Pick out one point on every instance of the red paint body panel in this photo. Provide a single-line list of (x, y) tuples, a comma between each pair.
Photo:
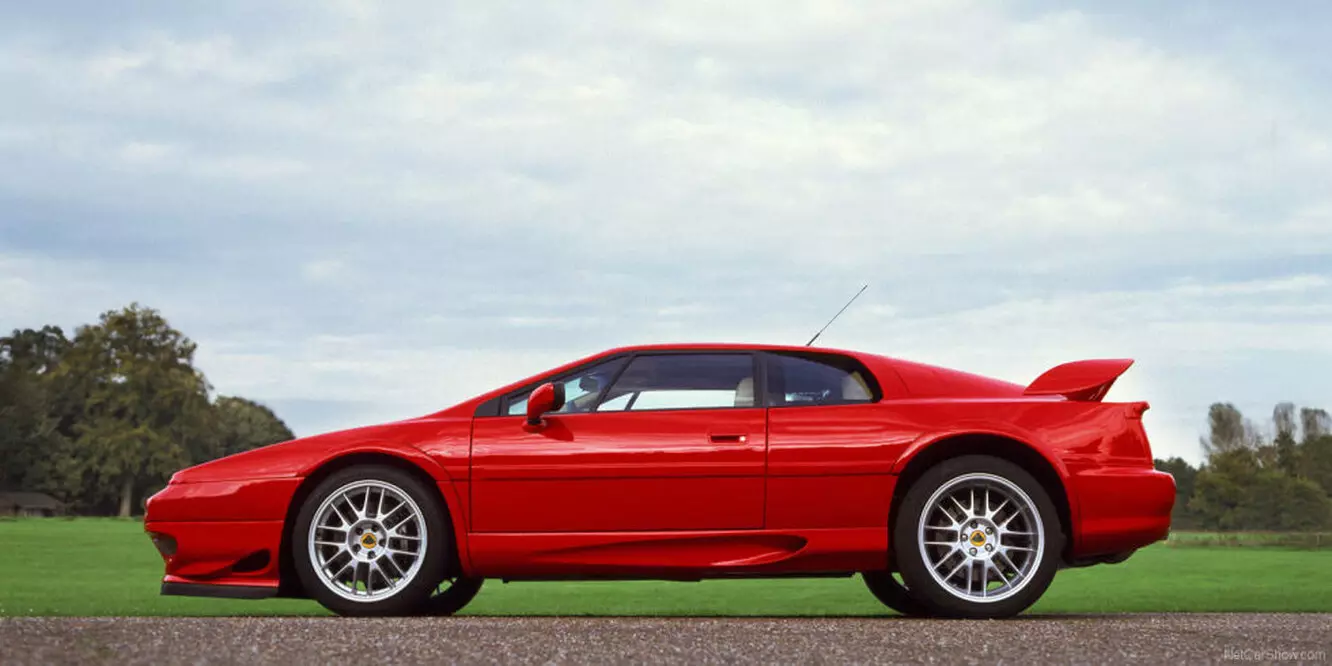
[(207, 550), (255, 499), (687, 494), (621, 471)]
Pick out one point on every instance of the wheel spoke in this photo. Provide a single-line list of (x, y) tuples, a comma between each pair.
[(395, 526), (351, 506), (985, 578), (387, 581), (350, 563), (956, 569), (392, 512), (344, 520), (397, 569)]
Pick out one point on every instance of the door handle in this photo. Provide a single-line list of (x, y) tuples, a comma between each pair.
[(727, 439)]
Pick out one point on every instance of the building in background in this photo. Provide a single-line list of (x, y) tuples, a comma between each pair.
[(29, 505)]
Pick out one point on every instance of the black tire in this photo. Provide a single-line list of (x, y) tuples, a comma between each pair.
[(891, 593), (416, 593), (452, 596), (933, 596)]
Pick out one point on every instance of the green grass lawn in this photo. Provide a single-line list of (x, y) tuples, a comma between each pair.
[(108, 567)]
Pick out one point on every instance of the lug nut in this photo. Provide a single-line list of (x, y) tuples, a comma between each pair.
[(989, 530), (989, 548), (973, 551)]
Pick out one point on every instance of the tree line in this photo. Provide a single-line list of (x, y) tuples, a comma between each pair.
[(1257, 478), (102, 419)]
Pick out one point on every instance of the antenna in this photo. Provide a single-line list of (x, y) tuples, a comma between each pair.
[(839, 313)]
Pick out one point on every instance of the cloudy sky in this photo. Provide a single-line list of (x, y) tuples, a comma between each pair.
[(364, 211)]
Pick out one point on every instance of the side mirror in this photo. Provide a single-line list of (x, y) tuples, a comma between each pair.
[(546, 398)]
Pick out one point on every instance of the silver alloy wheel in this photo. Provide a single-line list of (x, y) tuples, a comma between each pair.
[(981, 537), (367, 540)]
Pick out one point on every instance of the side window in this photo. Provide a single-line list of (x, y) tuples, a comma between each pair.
[(683, 381), (817, 379), (580, 389)]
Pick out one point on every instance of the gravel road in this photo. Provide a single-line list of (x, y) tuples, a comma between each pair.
[(323, 641)]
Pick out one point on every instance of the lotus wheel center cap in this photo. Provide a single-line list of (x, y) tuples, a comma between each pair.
[(978, 538), (368, 540)]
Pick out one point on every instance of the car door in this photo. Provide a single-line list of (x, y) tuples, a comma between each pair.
[(831, 443), (644, 442)]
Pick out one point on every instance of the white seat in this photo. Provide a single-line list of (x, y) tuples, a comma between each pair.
[(855, 389), (744, 393)]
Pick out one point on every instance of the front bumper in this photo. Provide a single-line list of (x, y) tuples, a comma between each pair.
[(220, 538)]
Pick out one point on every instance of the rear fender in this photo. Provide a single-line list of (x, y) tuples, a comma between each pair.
[(1024, 439)]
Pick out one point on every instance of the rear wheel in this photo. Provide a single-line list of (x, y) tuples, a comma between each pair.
[(452, 595), (371, 540), (977, 537)]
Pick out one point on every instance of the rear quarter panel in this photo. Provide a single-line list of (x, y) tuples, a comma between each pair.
[(1101, 455)]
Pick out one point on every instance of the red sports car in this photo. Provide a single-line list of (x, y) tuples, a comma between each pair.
[(685, 462)]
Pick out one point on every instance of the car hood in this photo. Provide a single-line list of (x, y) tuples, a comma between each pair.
[(298, 457)]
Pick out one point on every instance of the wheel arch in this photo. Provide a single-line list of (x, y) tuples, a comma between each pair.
[(289, 583), (1046, 471)]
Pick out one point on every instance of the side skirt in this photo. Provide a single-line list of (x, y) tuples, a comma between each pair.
[(218, 591), (683, 579)]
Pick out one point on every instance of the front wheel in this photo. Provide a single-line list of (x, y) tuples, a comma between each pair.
[(891, 593), (977, 537), (371, 540)]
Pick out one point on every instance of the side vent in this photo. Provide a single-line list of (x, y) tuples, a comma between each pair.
[(256, 561)]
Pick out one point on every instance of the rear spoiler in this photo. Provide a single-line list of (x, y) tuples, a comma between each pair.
[(1084, 381)]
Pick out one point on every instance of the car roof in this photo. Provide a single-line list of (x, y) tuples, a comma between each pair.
[(725, 346), (465, 406)]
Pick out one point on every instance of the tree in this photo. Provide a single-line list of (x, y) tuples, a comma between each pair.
[(145, 407), (34, 352), (244, 424), (1288, 458), (1222, 487), (1314, 423), (1227, 429), (1283, 417), (34, 452), (1316, 461), (1185, 479)]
